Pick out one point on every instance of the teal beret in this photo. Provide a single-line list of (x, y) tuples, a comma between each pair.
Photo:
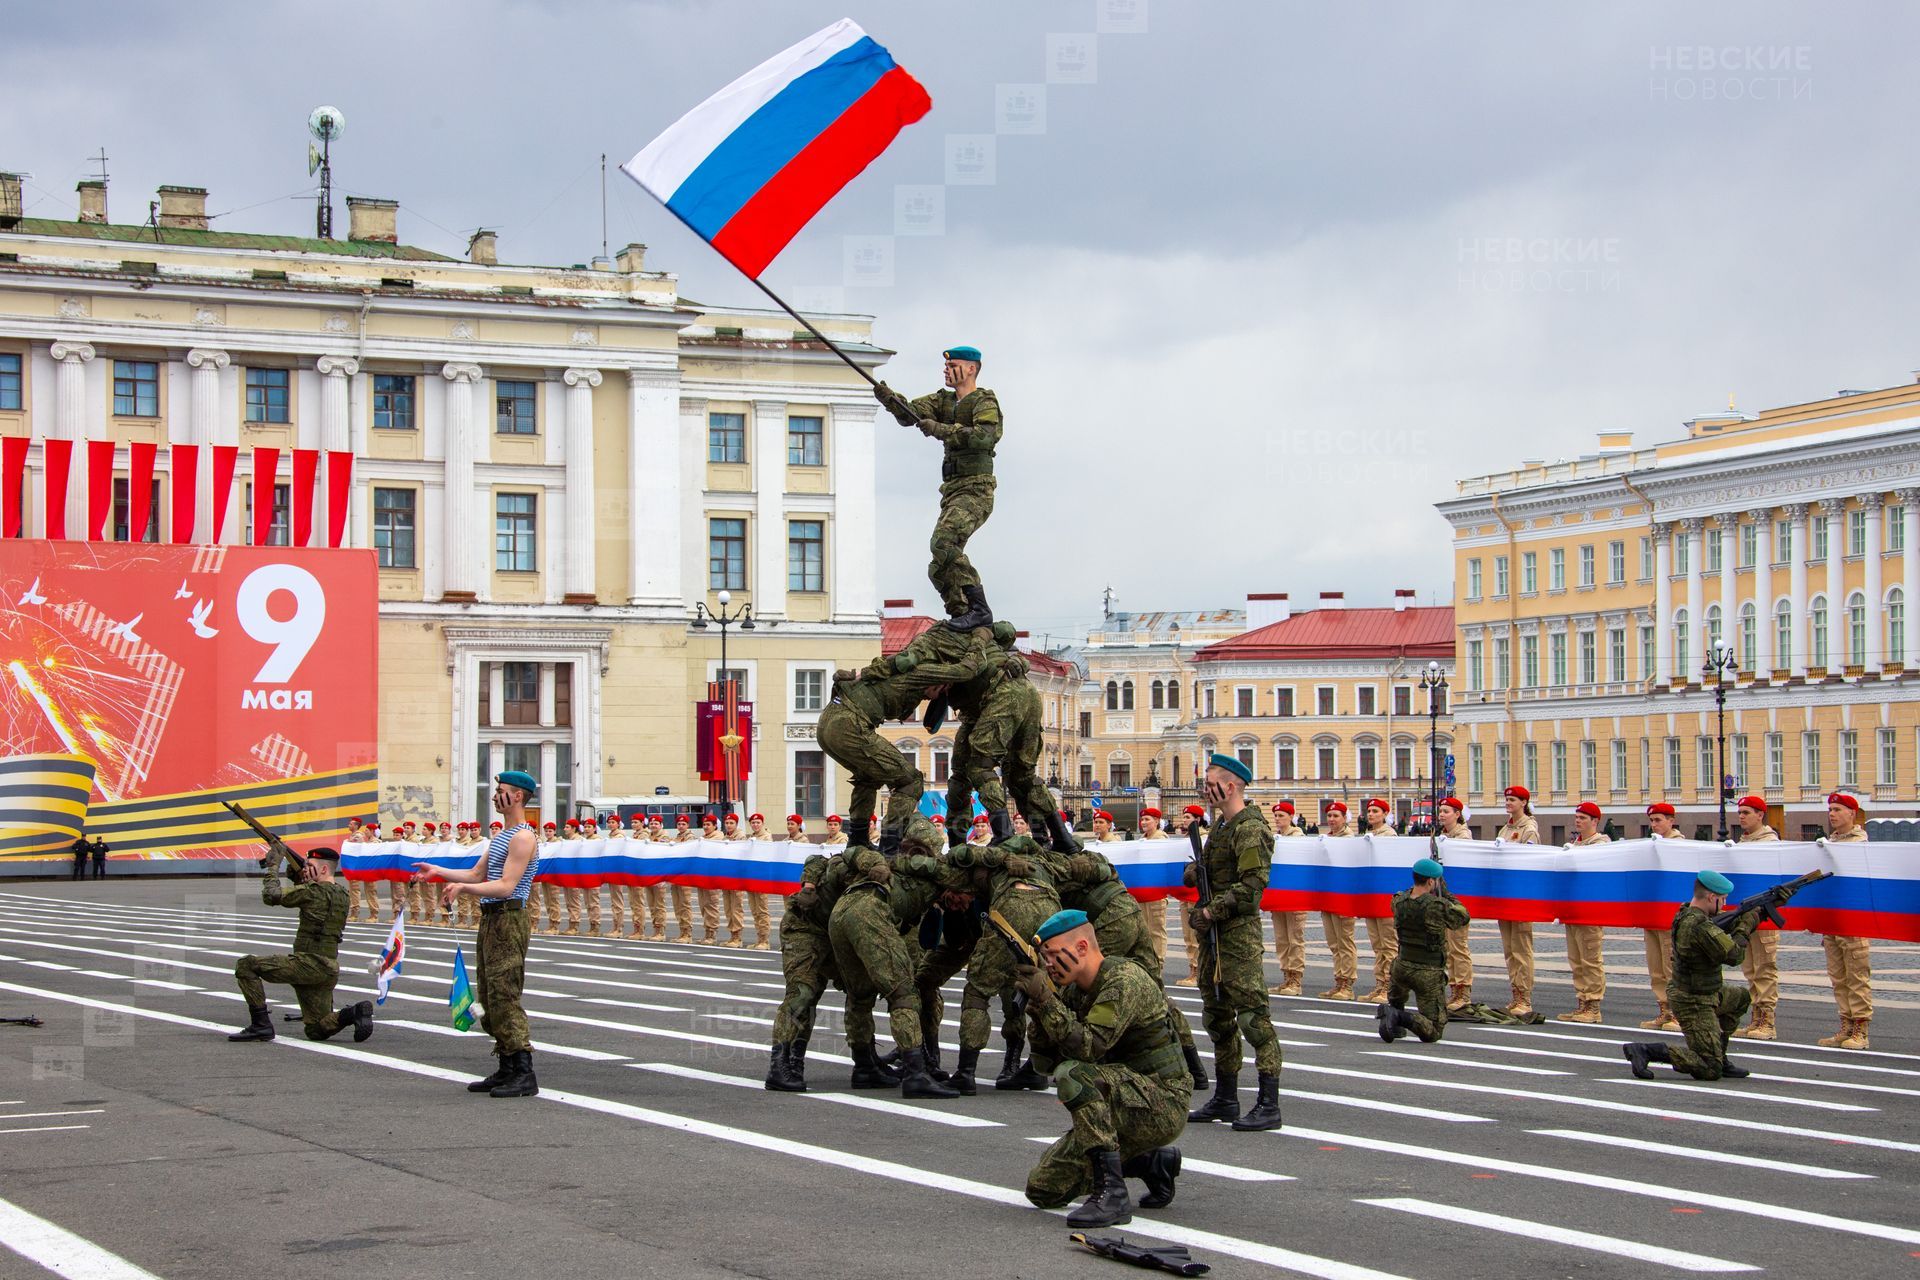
[(1232, 765), (962, 353), (1061, 922), (1428, 869), (1714, 882), (520, 778)]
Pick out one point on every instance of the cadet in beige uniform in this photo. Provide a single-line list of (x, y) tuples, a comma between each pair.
[(712, 901), (406, 894), (1762, 962), (576, 899), (683, 895), (1452, 826), (647, 903), (735, 899), (1584, 941), (981, 833), (552, 896), (1383, 939), (1849, 960), (835, 837), (757, 902), (1153, 915), (1516, 936), (616, 894), (355, 832), (1289, 927), (1337, 928), (1659, 942)]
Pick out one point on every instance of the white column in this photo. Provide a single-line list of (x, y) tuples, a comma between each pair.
[(1876, 615), (1728, 533), (462, 529), (496, 693), (70, 423), (768, 586), (1834, 509), (1909, 499), (334, 435), (1686, 664), (577, 573), (1797, 583), (690, 508), (850, 444), (549, 770), (548, 689), (1763, 636), (1662, 604), (653, 488), (203, 426)]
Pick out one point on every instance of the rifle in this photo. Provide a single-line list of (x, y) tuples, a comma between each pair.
[(1019, 949), (28, 1021), (1205, 888), (1769, 901), (276, 847), (1171, 1257)]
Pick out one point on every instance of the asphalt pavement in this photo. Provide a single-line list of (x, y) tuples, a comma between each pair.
[(135, 1140)]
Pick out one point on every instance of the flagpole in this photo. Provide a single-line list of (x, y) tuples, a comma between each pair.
[(831, 345)]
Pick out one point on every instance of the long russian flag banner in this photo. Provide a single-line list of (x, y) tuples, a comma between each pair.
[(747, 168)]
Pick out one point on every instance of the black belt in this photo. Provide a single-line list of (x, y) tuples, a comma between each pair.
[(505, 904)]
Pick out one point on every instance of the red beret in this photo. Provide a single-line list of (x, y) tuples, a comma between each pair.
[(1195, 811), (446, 826), (1103, 814), (1841, 797), (374, 826), (981, 820), (1151, 812), (1754, 803), (708, 820), (833, 817), (499, 826), (1518, 792), (1660, 807), (1336, 806), (939, 821), (758, 817), (1453, 803), (1381, 805), (1589, 808), (794, 817), (573, 823), (1284, 806), (590, 823), (681, 821), (551, 827)]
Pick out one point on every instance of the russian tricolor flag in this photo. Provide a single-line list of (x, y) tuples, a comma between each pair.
[(749, 166)]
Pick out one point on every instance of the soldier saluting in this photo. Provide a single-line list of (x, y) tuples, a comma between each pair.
[(965, 418)]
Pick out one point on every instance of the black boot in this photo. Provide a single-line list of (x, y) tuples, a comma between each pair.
[(500, 1073), (930, 1045), (780, 1077), (797, 1056), (362, 1015), (259, 1025), (890, 841), (1001, 823), (867, 1071), (962, 1077), (1731, 1070), (1194, 1068), (1225, 1102), (519, 1082), (888, 1061), (916, 1083), (1157, 1168), (1017, 1072), (1109, 1205), (858, 830), (1061, 834), (976, 613), (1393, 1022), (1266, 1107), (1641, 1053)]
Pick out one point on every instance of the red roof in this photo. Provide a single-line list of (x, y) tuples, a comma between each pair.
[(1414, 632), (897, 633)]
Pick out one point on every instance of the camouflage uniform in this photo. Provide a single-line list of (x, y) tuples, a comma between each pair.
[(806, 950), (1707, 1009), (1118, 1073), (1001, 729), (500, 965), (1239, 858), (1025, 899), (969, 429), (868, 928), (314, 967), (1422, 925), (1089, 883)]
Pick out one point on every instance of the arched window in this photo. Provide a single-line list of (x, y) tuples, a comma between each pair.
[(1159, 693), (1715, 630), (1680, 648), (1783, 635), (1173, 695), (1126, 695), (1819, 631), (1113, 695), (1896, 625), (1749, 636), (1857, 630)]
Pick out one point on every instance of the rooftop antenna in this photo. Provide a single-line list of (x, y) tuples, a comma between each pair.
[(1106, 602), (603, 205), (101, 160), (325, 124)]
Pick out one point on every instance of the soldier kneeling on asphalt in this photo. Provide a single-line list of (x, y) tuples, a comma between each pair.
[(1421, 916), (314, 967), (1118, 1071), (1707, 1009)]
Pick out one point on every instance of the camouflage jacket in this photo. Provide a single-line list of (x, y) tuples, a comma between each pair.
[(1422, 925), (323, 913), (1701, 949), (1239, 858), (1122, 1020), (1086, 880), (809, 908), (884, 692), (969, 429)]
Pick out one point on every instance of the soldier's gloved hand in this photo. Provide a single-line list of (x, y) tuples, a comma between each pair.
[(1191, 876), (1080, 867), (1201, 919), (807, 899), (1018, 867), (936, 714), (880, 873), (1035, 983)]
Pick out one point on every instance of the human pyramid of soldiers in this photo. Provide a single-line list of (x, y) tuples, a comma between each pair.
[(898, 911)]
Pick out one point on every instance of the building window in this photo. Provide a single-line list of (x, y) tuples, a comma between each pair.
[(1810, 758), (1849, 757), (1739, 770), (1243, 702), (1776, 761), (1499, 577), (1557, 569), (10, 381), (1119, 774), (1282, 701), (1502, 766), (1896, 515), (1403, 700), (122, 512), (1557, 656), (1157, 694), (1619, 764), (1616, 563), (1714, 629), (1646, 766), (1283, 764), (1749, 636), (810, 784), (1703, 777), (1857, 532), (267, 396), (1783, 542), (1559, 766), (1473, 569), (1476, 651), (806, 555), (1783, 635), (809, 689), (1617, 655), (1126, 695), (393, 534), (1476, 769), (1646, 559), (279, 531), (942, 765), (1244, 752), (1086, 777), (519, 693), (1325, 763), (806, 442), (1529, 572), (514, 412), (1749, 545), (1529, 662), (1681, 636), (1173, 698), (1589, 658), (727, 554), (1365, 696), (1086, 724), (726, 437), (1369, 762), (1857, 629), (1896, 624), (513, 532), (1819, 631), (1714, 550), (136, 389), (1889, 756), (1323, 701), (1530, 765), (1647, 654), (1822, 536), (1113, 695), (1673, 764), (1682, 553), (1502, 662), (1586, 566), (1403, 762), (393, 402)]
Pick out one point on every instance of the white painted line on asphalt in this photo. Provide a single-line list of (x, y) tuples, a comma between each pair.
[(955, 1120), (1327, 1031), (11, 1116), (1392, 1108), (1698, 1153), (44, 1128), (540, 1046), (60, 1250), (1601, 1182), (910, 1175), (1231, 1172), (633, 1004), (689, 1036), (1417, 1055), (1739, 1094), (164, 985), (1605, 1035), (1833, 1084), (1562, 1235)]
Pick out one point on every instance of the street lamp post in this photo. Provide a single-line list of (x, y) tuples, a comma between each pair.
[(1435, 683), (724, 618), (1721, 663)]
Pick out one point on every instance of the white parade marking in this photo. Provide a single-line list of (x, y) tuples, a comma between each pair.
[(60, 1250), (1562, 1235), (1231, 1172), (1697, 1153), (1737, 1094), (957, 1120), (1416, 1055)]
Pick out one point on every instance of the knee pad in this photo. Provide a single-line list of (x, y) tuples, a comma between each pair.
[(1255, 1030), (1075, 1084)]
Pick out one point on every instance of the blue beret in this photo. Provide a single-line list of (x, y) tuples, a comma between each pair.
[(1061, 922), (1428, 869), (520, 778), (962, 353), (1714, 882), (1231, 764)]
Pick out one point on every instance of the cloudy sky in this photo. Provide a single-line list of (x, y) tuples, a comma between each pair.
[(1256, 281)]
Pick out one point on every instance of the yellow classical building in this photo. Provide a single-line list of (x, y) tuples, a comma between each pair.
[(1591, 595), (1137, 707), (553, 465)]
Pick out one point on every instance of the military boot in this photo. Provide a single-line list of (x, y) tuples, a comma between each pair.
[(1001, 823), (1060, 833), (976, 613), (1458, 996), (890, 837), (1018, 1072), (1833, 1041), (780, 1076), (1663, 1020), (259, 1025), (1760, 1027), (962, 1077), (1109, 1205), (1342, 990), (1639, 1054), (916, 1083), (499, 1073), (1157, 1168), (1856, 1037), (858, 829), (1521, 1006), (1266, 1107), (867, 1071), (1391, 1026), (1225, 1102), (930, 1045), (520, 1082), (1194, 1066), (1731, 1070), (1587, 1011), (1289, 984), (797, 1057)]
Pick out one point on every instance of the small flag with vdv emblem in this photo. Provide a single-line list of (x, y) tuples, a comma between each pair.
[(460, 996)]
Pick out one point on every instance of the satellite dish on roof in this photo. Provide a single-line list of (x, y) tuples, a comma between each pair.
[(326, 123)]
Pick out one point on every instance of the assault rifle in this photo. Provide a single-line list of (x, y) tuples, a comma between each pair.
[(1018, 949), (277, 848), (1205, 887), (1169, 1257), (1769, 901)]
